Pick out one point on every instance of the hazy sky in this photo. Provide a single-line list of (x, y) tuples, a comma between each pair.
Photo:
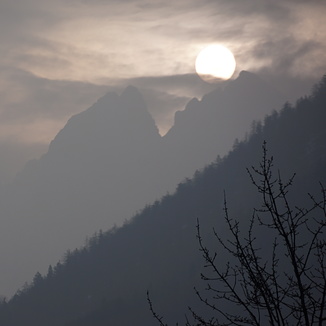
[(58, 57)]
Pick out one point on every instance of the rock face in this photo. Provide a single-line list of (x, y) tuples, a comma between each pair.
[(209, 127), (108, 162)]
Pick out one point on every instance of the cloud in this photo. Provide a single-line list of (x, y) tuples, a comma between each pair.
[(27, 101), (32, 111), (86, 40), (55, 99), (292, 41), (189, 85), (58, 57), (297, 58)]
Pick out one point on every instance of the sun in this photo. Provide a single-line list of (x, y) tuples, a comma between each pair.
[(215, 62)]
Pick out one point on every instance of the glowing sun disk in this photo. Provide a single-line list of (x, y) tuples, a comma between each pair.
[(215, 62)]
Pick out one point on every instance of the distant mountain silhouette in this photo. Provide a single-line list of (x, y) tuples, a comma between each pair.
[(110, 161), (105, 282), (195, 138), (102, 159)]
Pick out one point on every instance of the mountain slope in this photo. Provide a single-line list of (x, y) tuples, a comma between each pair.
[(210, 126), (105, 283), (110, 161), (89, 165)]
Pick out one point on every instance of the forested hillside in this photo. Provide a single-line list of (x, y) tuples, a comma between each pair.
[(105, 282)]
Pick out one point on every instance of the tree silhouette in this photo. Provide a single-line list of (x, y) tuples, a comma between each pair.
[(275, 273)]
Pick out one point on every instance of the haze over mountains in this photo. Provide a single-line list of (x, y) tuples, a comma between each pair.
[(109, 162), (105, 282), (200, 131)]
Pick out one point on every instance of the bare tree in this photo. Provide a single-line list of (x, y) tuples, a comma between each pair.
[(280, 284)]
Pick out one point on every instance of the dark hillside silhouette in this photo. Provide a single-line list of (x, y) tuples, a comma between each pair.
[(275, 273), (105, 282)]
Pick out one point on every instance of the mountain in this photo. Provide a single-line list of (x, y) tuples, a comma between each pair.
[(96, 163), (110, 161), (105, 282), (209, 127)]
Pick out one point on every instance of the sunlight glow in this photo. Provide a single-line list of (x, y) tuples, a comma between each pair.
[(215, 62)]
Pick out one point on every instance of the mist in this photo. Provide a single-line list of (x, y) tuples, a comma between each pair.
[(83, 151)]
